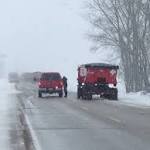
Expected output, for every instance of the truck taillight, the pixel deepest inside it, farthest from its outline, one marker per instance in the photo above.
(39, 84)
(83, 84)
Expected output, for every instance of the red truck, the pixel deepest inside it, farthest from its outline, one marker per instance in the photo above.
(97, 79)
(50, 82)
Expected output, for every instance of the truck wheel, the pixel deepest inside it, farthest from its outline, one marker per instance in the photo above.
(61, 94)
(79, 93)
(40, 94)
(114, 95)
(84, 97)
(83, 94)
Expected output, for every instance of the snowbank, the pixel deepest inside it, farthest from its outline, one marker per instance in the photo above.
(139, 99)
(136, 99)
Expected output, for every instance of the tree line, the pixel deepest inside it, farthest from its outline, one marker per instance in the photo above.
(124, 25)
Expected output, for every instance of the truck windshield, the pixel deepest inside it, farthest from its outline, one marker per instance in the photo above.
(51, 76)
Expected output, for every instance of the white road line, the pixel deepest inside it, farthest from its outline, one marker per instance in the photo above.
(84, 108)
(33, 134)
(30, 104)
(115, 119)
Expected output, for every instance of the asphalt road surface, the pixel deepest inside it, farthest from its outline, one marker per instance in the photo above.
(70, 124)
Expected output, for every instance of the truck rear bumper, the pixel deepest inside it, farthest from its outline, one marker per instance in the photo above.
(50, 90)
(97, 90)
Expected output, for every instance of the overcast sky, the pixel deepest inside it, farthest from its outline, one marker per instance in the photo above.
(44, 35)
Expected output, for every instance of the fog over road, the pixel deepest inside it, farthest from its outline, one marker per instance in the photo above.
(71, 124)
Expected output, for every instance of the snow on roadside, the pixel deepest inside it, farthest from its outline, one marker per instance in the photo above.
(7, 88)
(138, 99)
(134, 99)
(8, 108)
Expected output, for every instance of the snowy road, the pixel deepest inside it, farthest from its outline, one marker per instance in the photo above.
(71, 124)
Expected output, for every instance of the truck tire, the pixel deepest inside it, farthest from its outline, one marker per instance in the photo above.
(79, 93)
(61, 94)
(83, 97)
(84, 94)
(114, 95)
(40, 94)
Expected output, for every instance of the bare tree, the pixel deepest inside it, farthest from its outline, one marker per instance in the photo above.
(125, 25)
